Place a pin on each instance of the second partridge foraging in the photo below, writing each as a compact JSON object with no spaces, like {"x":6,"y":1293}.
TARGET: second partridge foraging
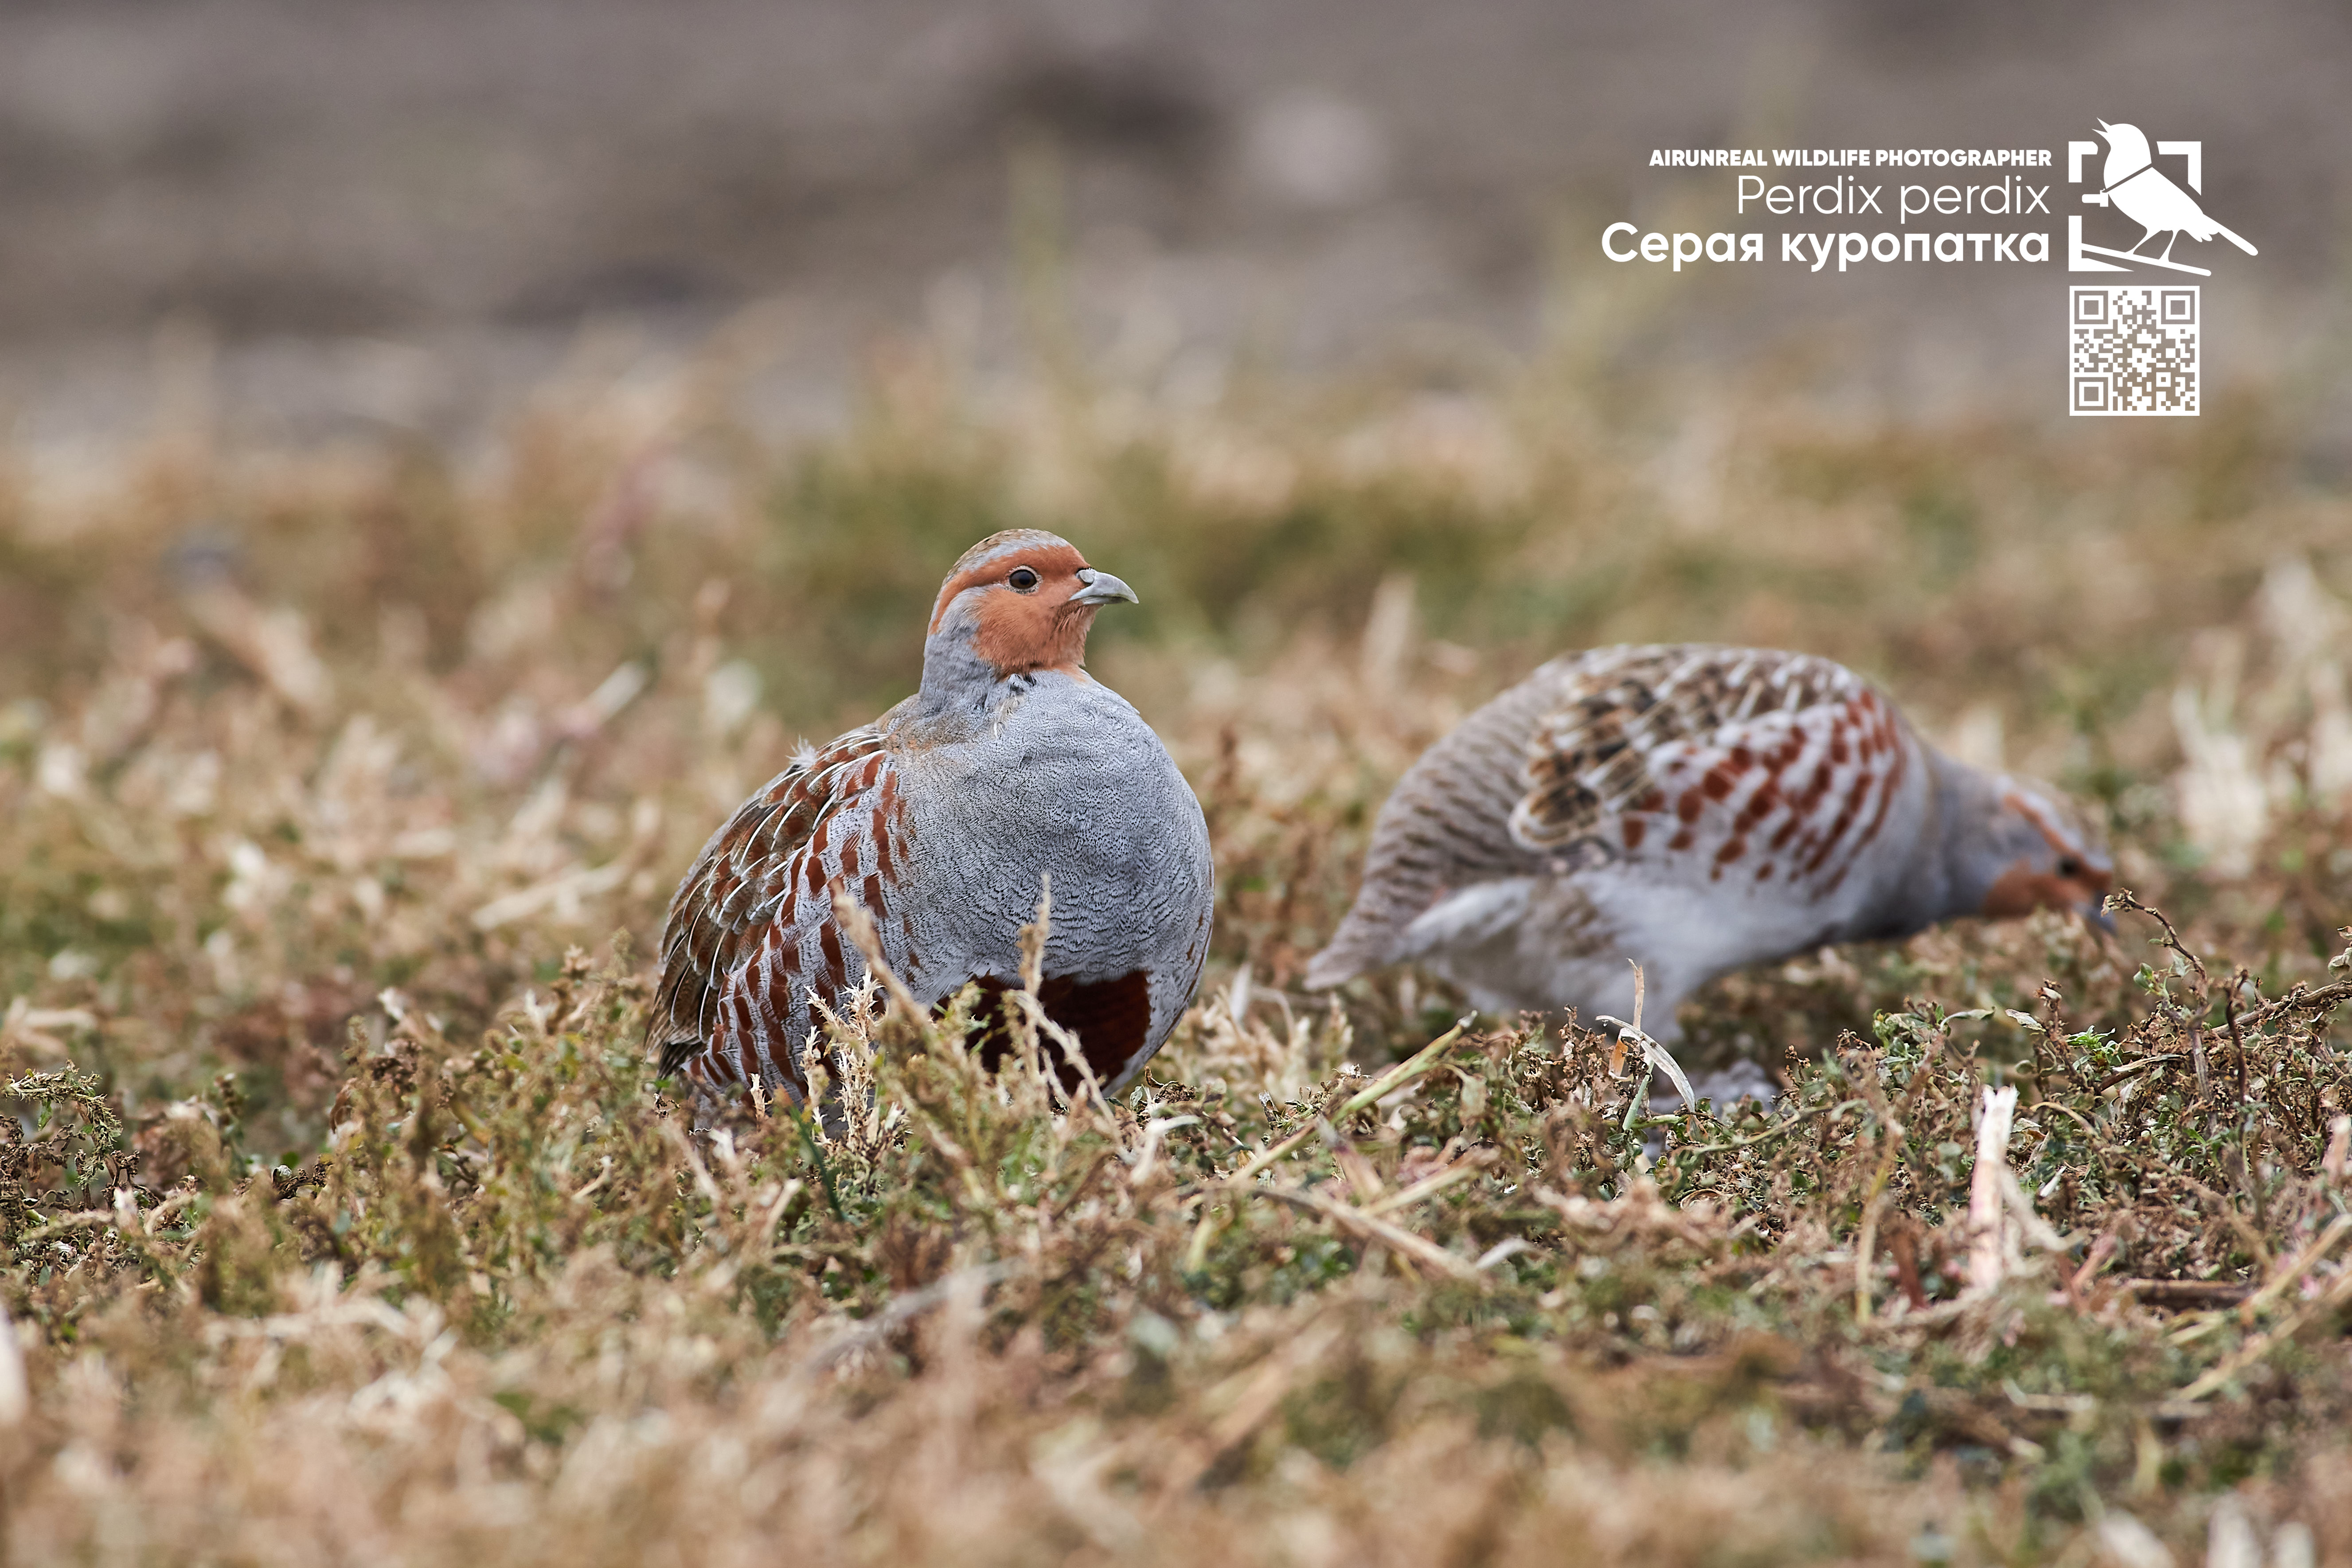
{"x":941,"y":821}
{"x":1696,"y":809}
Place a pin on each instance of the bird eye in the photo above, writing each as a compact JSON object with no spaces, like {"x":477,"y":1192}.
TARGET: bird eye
{"x":1022,"y":579}
{"x":2069,"y":867}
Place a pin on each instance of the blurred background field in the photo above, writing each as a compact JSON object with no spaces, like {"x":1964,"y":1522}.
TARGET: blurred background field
{"x":395,"y":215}
{"x":356,"y":666}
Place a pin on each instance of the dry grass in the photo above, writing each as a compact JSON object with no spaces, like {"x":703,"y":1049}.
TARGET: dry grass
{"x":347,"y":1224}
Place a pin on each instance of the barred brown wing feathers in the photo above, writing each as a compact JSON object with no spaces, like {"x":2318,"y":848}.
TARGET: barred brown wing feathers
{"x":718,"y":918}
{"x":1777,"y":764}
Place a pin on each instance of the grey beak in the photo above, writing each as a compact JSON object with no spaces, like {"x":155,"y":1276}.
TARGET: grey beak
{"x":1101,"y":589}
{"x":2095,"y":912}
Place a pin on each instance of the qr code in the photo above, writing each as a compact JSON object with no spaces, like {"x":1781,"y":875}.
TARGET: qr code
{"x":2133,"y":351}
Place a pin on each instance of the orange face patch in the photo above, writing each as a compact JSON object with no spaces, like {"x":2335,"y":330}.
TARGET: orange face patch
{"x":1018,"y":632}
{"x":2022,"y":890}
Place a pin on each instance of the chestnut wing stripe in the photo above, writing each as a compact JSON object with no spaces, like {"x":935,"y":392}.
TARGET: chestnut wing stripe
{"x":738,"y":884}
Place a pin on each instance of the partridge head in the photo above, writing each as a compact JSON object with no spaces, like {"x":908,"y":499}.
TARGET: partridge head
{"x":2026,"y":849}
{"x":1017,"y":603}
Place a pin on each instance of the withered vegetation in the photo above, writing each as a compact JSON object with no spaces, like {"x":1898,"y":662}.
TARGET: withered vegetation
{"x":341,"y":793}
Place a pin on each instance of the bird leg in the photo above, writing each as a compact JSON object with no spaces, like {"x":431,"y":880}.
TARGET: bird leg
{"x":2171,"y":243}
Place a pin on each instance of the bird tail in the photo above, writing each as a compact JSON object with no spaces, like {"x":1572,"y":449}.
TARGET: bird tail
{"x":1338,"y":963}
{"x":1364,"y":941}
{"x":2238,"y":241}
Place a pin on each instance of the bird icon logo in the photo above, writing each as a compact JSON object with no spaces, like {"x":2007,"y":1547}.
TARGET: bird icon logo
{"x":2132,"y":184}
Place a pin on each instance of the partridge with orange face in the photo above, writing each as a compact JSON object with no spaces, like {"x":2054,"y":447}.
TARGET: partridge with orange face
{"x":941,"y":821}
{"x":1695,"y":809}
